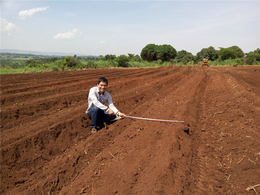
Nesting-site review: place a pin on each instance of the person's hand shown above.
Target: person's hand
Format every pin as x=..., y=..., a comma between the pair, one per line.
x=122, y=115
x=111, y=112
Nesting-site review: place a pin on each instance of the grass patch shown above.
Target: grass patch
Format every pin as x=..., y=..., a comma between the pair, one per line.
x=21, y=70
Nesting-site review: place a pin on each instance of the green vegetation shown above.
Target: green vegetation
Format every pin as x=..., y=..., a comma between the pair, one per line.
x=209, y=53
x=70, y=62
x=184, y=57
x=230, y=53
x=19, y=63
x=152, y=52
x=151, y=56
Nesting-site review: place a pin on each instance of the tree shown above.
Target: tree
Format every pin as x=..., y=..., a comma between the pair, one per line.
x=238, y=52
x=209, y=53
x=49, y=60
x=109, y=57
x=33, y=63
x=184, y=56
x=130, y=56
x=165, y=52
x=230, y=53
x=152, y=52
x=148, y=53
x=253, y=56
x=134, y=58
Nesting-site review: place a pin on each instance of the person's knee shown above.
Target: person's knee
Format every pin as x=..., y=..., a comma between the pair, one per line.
x=95, y=111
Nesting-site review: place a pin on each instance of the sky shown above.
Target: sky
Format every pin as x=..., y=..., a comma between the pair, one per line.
x=101, y=27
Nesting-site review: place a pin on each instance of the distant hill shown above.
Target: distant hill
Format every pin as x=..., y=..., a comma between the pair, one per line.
x=17, y=51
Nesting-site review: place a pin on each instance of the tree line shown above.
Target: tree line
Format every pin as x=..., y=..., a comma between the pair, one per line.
x=151, y=55
x=152, y=52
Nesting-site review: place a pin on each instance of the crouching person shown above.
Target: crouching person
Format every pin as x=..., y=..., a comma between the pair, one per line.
x=97, y=110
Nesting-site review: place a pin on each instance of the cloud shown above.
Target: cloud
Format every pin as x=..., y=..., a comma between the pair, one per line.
x=68, y=35
x=25, y=13
x=102, y=42
x=7, y=26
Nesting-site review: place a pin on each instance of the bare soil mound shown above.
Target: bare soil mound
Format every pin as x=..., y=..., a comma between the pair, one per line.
x=47, y=147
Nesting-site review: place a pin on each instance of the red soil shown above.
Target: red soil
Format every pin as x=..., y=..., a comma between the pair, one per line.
x=47, y=147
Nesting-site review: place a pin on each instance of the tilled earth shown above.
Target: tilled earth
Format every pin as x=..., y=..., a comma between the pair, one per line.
x=47, y=146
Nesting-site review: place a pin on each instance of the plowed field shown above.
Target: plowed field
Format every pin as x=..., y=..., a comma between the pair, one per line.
x=47, y=146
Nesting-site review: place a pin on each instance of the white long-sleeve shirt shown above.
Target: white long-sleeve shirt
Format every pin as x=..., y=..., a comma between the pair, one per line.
x=98, y=100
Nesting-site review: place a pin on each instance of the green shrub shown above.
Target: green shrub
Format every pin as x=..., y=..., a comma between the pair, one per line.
x=70, y=61
x=253, y=57
x=159, y=61
x=91, y=64
x=54, y=68
x=191, y=63
x=122, y=60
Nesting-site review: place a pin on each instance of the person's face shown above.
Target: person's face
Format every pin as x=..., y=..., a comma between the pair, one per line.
x=102, y=86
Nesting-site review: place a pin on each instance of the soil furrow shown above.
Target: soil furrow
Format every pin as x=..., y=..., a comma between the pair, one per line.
x=47, y=147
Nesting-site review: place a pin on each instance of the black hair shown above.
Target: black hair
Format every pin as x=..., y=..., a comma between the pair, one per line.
x=102, y=79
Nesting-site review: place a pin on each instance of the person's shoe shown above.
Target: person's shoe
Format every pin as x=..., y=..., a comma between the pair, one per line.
x=105, y=125
x=93, y=130
x=117, y=118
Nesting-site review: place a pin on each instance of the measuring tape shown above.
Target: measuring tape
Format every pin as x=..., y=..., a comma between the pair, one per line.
x=151, y=119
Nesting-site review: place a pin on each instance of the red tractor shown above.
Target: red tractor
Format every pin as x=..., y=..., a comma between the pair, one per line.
x=205, y=63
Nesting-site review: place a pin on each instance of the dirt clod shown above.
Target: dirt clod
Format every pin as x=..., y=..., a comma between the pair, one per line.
x=186, y=130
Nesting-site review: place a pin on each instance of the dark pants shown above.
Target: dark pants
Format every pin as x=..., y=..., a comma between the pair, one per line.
x=99, y=116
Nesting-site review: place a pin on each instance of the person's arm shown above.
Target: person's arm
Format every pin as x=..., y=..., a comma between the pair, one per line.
x=111, y=105
x=113, y=108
